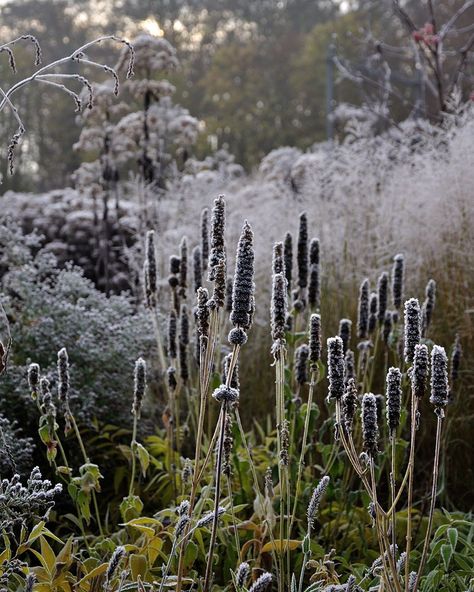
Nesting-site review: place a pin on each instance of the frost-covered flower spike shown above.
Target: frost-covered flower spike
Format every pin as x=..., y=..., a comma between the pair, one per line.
x=370, y=430
x=243, y=289
x=363, y=310
x=412, y=328
x=335, y=368
x=393, y=399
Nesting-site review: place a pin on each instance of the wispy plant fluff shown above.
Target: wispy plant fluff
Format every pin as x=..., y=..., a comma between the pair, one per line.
x=335, y=367
x=370, y=430
x=63, y=375
x=278, y=264
x=373, y=306
x=314, y=340
x=197, y=268
x=428, y=305
x=382, y=296
x=345, y=326
x=139, y=386
x=279, y=307
x=242, y=295
x=314, y=286
x=349, y=404
x=397, y=280
x=301, y=364
x=172, y=334
x=302, y=254
x=217, y=252
x=412, y=328
x=363, y=310
x=439, y=378
x=288, y=258
x=420, y=370
x=204, y=237
x=393, y=399
x=315, y=500
x=150, y=272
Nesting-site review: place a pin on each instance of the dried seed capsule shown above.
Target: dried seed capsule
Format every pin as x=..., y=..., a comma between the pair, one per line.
x=243, y=279
x=197, y=268
x=288, y=258
x=150, y=273
x=363, y=310
x=335, y=367
x=315, y=500
x=349, y=404
x=174, y=264
x=397, y=280
x=370, y=430
x=237, y=336
x=394, y=399
x=202, y=312
x=439, y=378
x=382, y=290
x=171, y=378
x=217, y=253
x=279, y=307
x=345, y=326
x=314, y=287
x=301, y=364
x=373, y=307
x=183, y=266
x=302, y=255
x=419, y=371
x=412, y=328
x=314, y=340
x=219, y=293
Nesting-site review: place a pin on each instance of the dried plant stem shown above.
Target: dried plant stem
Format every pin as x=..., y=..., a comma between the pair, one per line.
x=392, y=493
x=434, y=488
x=411, y=465
x=280, y=408
x=134, y=460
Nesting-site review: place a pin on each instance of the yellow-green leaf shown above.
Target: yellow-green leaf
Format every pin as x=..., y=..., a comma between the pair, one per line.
x=279, y=545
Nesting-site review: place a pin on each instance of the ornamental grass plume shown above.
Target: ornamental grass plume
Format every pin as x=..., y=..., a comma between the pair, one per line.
x=397, y=280
x=63, y=375
x=370, y=430
x=243, y=290
x=382, y=296
x=314, y=341
x=373, y=307
x=393, y=399
x=363, y=310
x=345, y=327
x=439, y=379
x=217, y=252
x=197, y=269
x=315, y=501
x=301, y=364
x=412, y=328
x=279, y=307
x=278, y=263
x=349, y=405
x=428, y=305
x=204, y=237
x=288, y=258
x=172, y=333
x=419, y=371
x=335, y=368
x=302, y=251
x=150, y=270
x=139, y=386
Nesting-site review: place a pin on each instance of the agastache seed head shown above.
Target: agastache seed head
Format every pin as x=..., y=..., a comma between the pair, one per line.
x=302, y=255
x=242, y=296
x=439, y=379
x=382, y=296
x=301, y=364
x=150, y=270
x=217, y=253
x=278, y=264
x=456, y=359
x=204, y=237
x=225, y=394
x=397, y=280
x=314, y=340
x=279, y=307
x=349, y=366
x=229, y=288
x=363, y=310
x=315, y=500
x=393, y=399
x=314, y=286
x=33, y=379
x=349, y=405
x=373, y=306
x=63, y=375
x=242, y=574
x=172, y=332
x=345, y=326
x=412, y=328
x=370, y=430
x=139, y=386
x=263, y=582
x=335, y=367
x=197, y=268
x=387, y=326
x=419, y=371
x=288, y=258
x=428, y=305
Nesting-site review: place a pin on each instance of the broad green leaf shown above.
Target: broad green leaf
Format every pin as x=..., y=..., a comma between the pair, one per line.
x=279, y=545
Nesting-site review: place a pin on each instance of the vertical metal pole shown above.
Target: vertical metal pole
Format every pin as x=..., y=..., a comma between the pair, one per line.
x=330, y=91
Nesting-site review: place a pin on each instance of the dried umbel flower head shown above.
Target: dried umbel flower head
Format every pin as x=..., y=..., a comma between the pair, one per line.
x=315, y=500
x=363, y=310
x=314, y=340
x=150, y=273
x=419, y=371
x=217, y=253
x=455, y=359
x=349, y=405
x=428, y=305
x=397, y=280
x=263, y=582
x=197, y=268
x=33, y=379
x=382, y=295
x=345, y=326
x=278, y=264
x=242, y=574
x=439, y=379
x=205, y=237
x=279, y=307
x=349, y=366
x=412, y=328
x=288, y=258
x=373, y=307
x=335, y=368
x=370, y=430
x=172, y=333
x=394, y=399
x=114, y=562
x=63, y=375
x=302, y=254
x=139, y=386
x=301, y=364
x=242, y=296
